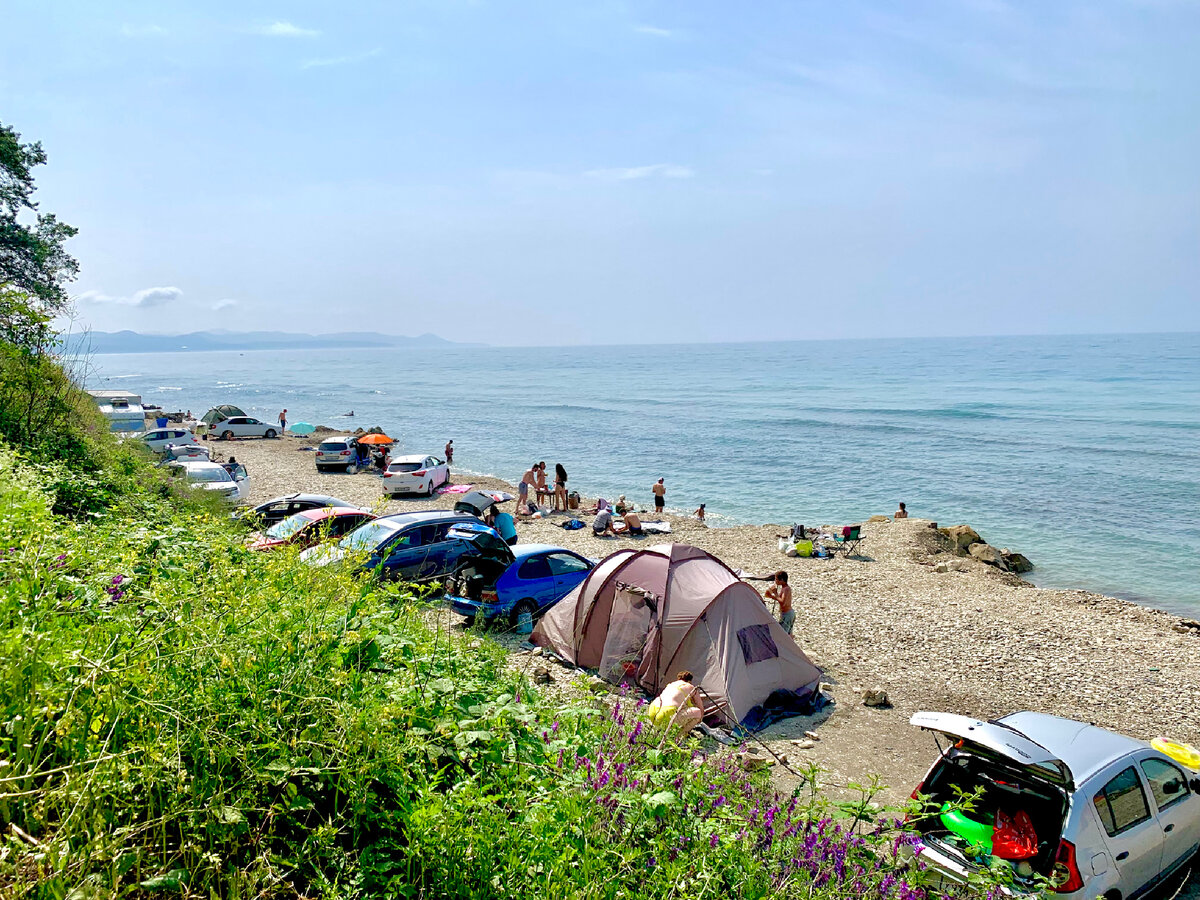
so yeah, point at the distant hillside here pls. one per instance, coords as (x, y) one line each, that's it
(133, 342)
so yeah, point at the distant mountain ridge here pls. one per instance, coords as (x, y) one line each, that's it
(135, 342)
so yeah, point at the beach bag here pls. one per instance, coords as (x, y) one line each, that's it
(572, 525)
(804, 548)
(786, 547)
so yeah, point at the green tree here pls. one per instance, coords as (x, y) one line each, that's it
(33, 259)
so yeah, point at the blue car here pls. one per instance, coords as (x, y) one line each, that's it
(416, 546)
(538, 577)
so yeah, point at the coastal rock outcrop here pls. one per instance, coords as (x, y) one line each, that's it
(988, 555)
(963, 536)
(1016, 562)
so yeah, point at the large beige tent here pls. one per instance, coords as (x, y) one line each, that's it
(643, 615)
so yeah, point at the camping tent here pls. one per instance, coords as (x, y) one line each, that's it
(220, 414)
(643, 615)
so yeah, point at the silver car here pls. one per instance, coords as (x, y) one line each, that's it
(244, 426)
(1104, 814)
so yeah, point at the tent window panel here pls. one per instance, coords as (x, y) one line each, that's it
(757, 643)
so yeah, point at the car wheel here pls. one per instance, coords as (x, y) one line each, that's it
(270, 433)
(522, 606)
(352, 469)
(227, 435)
(321, 469)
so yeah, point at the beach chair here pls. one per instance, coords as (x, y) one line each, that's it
(848, 540)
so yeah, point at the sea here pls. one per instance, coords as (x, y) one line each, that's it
(1082, 452)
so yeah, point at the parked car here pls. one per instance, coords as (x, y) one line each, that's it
(1098, 813)
(342, 452)
(416, 546)
(243, 427)
(279, 508)
(415, 475)
(311, 527)
(538, 577)
(159, 439)
(212, 477)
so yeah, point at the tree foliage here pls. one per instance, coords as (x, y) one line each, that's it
(33, 258)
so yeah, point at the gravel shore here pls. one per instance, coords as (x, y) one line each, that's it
(970, 639)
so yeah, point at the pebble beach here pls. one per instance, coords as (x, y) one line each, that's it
(933, 629)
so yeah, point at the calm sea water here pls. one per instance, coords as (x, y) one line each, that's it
(1082, 452)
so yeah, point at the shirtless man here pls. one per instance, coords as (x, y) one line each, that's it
(660, 495)
(543, 492)
(781, 592)
(528, 480)
(678, 705)
(633, 525)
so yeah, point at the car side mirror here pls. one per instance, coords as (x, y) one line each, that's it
(1194, 784)
(1173, 787)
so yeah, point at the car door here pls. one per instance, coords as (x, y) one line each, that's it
(251, 428)
(568, 570)
(409, 553)
(441, 471)
(156, 440)
(1131, 831)
(534, 579)
(1178, 809)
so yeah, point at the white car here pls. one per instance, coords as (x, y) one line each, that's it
(415, 475)
(157, 440)
(210, 476)
(337, 453)
(244, 426)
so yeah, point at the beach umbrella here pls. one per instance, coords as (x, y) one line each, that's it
(301, 428)
(375, 439)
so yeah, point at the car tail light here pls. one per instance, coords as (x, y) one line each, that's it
(915, 795)
(420, 473)
(489, 597)
(387, 474)
(1065, 877)
(344, 453)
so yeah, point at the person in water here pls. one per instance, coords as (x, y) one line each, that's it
(699, 513)
(449, 452)
(678, 705)
(901, 513)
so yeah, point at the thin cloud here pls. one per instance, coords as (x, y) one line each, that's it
(138, 31)
(633, 173)
(224, 304)
(341, 60)
(286, 29)
(653, 30)
(144, 299)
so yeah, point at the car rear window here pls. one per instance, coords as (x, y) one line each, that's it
(404, 467)
(332, 446)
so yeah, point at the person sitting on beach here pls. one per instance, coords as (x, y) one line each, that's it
(781, 592)
(528, 480)
(678, 705)
(699, 513)
(603, 523)
(543, 492)
(632, 525)
(901, 513)
(621, 506)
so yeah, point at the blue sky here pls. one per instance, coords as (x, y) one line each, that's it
(559, 173)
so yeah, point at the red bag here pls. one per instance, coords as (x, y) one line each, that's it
(1014, 836)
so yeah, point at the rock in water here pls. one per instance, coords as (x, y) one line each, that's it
(1017, 562)
(988, 554)
(962, 536)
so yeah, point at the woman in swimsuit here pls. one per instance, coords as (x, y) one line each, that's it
(560, 487)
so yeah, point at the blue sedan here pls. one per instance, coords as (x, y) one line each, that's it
(539, 577)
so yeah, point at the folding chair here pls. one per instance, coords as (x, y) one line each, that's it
(849, 539)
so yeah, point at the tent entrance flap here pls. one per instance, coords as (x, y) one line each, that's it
(625, 643)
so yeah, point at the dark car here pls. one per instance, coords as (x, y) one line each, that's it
(276, 510)
(416, 546)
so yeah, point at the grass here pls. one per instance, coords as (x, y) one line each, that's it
(185, 716)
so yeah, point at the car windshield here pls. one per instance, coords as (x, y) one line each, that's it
(404, 467)
(368, 537)
(206, 476)
(284, 529)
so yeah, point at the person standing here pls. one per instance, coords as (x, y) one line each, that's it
(449, 451)
(660, 495)
(543, 492)
(699, 513)
(781, 592)
(283, 422)
(528, 480)
(560, 487)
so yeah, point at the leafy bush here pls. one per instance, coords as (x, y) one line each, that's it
(186, 715)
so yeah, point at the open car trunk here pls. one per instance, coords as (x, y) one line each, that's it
(481, 569)
(1018, 789)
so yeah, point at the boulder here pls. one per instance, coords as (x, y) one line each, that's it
(962, 536)
(1016, 562)
(875, 520)
(988, 555)
(541, 675)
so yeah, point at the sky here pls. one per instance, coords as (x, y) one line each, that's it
(543, 173)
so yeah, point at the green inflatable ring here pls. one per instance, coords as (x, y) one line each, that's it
(974, 833)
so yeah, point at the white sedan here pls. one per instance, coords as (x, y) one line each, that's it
(158, 440)
(415, 475)
(210, 476)
(244, 426)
